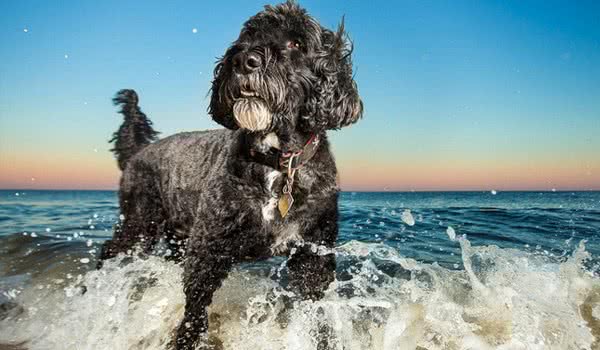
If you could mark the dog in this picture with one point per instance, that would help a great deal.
(264, 186)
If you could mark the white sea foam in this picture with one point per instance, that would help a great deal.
(504, 299)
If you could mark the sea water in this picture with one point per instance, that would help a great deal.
(453, 270)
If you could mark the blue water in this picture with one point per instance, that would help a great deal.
(514, 243)
(552, 222)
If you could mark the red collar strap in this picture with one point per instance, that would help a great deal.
(296, 160)
(290, 160)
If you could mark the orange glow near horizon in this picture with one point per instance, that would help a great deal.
(99, 171)
(58, 171)
(470, 175)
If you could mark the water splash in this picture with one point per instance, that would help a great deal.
(407, 217)
(503, 299)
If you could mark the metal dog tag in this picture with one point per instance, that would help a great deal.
(285, 203)
(286, 200)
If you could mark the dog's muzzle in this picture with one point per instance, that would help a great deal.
(251, 112)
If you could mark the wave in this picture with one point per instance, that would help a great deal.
(502, 299)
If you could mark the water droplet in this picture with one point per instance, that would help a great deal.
(451, 233)
(407, 217)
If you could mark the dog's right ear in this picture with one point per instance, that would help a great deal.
(219, 100)
(335, 102)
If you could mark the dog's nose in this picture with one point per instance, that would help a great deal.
(253, 61)
(246, 63)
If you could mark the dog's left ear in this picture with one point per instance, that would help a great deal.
(335, 102)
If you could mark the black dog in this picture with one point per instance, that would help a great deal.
(259, 189)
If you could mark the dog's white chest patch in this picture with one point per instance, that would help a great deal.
(284, 237)
(271, 140)
(268, 210)
(271, 177)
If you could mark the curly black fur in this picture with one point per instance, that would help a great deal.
(204, 190)
(136, 130)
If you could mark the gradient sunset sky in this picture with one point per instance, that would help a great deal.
(459, 95)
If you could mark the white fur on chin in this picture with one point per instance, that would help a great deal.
(252, 114)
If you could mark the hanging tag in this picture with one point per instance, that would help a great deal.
(286, 200)
(285, 203)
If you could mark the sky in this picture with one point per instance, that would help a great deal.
(458, 95)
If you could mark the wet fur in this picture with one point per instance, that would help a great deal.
(203, 190)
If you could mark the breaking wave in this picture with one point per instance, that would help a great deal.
(502, 299)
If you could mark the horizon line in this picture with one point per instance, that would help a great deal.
(341, 190)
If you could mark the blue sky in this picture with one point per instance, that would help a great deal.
(458, 94)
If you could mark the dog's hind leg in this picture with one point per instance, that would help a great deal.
(142, 218)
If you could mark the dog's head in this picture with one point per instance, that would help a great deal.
(285, 70)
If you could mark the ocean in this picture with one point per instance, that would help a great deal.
(415, 270)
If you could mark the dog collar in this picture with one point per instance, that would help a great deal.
(288, 163)
(288, 160)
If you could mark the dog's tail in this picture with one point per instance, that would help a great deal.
(136, 131)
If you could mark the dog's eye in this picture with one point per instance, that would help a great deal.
(294, 44)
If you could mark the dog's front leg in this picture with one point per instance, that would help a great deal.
(310, 273)
(204, 271)
(311, 268)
